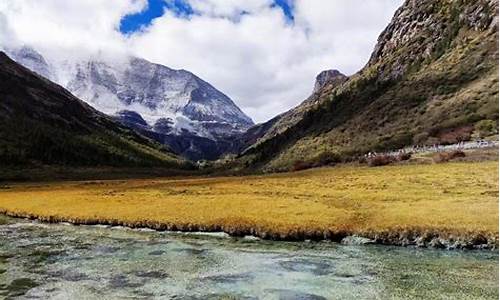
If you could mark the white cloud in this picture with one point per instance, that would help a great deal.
(60, 25)
(7, 35)
(228, 8)
(265, 63)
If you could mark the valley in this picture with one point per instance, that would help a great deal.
(445, 205)
(432, 79)
(187, 157)
(121, 177)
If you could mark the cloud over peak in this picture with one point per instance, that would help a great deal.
(249, 49)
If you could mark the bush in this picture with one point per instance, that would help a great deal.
(455, 135)
(421, 138)
(485, 128)
(325, 158)
(440, 157)
(447, 156)
(300, 165)
(457, 153)
(362, 160)
(404, 156)
(380, 160)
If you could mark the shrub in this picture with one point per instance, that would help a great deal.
(404, 156)
(300, 165)
(457, 153)
(421, 138)
(380, 160)
(447, 156)
(485, 128)
(440, 157)
(325, 158)
(455, 135)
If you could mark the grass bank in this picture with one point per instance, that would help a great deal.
(440, 205)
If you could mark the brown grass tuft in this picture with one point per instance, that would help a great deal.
(447, 156)
(381, 160)
(404, 156)
(301, 165)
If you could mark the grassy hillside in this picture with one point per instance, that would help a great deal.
(43, 124)
(432, 78)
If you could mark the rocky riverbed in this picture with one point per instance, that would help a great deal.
(63, 261)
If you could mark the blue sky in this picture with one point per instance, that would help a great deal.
(132, 23)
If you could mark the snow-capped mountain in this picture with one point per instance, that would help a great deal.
(31, 59)
(158, 94)
(166, 101)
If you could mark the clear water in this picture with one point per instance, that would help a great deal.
(88, 262)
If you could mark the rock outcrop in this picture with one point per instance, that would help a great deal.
(333, 77)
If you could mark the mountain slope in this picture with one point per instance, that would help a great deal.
(187, 145)
(173, 103)
(325, 82)
(431, 78)
(41, 123)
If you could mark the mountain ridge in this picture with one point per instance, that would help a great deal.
(432, 78)
(433, 75)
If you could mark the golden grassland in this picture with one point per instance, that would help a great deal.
(401, 201)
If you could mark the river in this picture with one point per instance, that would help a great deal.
(59, 261)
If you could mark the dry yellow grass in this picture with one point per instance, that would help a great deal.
(453, 198)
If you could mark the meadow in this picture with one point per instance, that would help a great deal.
(397, 204)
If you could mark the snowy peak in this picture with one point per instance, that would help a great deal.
(31, 60)
(153, 91)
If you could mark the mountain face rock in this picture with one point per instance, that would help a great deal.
(423, 30)
(328, 77)
(187, 145)
(325, 82)
(41, 124)
(132, 119)
(432, 77)
(158, 94)
(32, 60)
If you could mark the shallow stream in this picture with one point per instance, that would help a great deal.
(58, 261)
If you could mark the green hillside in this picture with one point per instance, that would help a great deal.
(432, 78)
